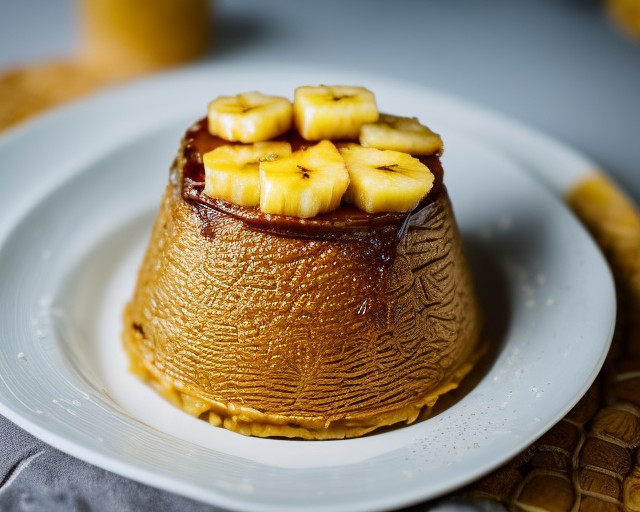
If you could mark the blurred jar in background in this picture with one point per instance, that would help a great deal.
(626, 13)
(132, 37)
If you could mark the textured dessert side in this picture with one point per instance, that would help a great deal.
(305, 275)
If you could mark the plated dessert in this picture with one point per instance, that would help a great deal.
(305, 275)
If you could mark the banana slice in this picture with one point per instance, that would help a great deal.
(384, 180)
(232, 172)
(304, 184)
(249, 117)
(404, 134)
(333, 112)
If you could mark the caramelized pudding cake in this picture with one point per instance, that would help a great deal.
(305, 275)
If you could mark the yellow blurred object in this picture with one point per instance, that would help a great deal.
(135, 36)
(614, 221)
(29, 90)
(120, 39)
(626, 13)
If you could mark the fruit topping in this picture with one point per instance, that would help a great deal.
(249, 117)
(384, 180)
(306, 183)
(333, 112)
(232, 171)
(404, 134)
(372, 164)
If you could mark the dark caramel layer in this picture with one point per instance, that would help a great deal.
(346, 221)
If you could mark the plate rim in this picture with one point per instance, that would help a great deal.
(113, 463)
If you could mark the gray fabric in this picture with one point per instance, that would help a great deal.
(34, 477)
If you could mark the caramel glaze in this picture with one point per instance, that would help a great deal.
(317, 328)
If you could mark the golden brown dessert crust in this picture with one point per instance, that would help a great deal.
(274, 335)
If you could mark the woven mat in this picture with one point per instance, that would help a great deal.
(589, 461)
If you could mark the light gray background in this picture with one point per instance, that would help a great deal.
(560, 66)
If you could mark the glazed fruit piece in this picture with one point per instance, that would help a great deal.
(400, 134)
(249, 117)
(308, 182)
(232, 172)
(385, 181)
(338, 112)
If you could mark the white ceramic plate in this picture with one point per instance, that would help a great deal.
(81, 187)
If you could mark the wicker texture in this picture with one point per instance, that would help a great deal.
(589, 461)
